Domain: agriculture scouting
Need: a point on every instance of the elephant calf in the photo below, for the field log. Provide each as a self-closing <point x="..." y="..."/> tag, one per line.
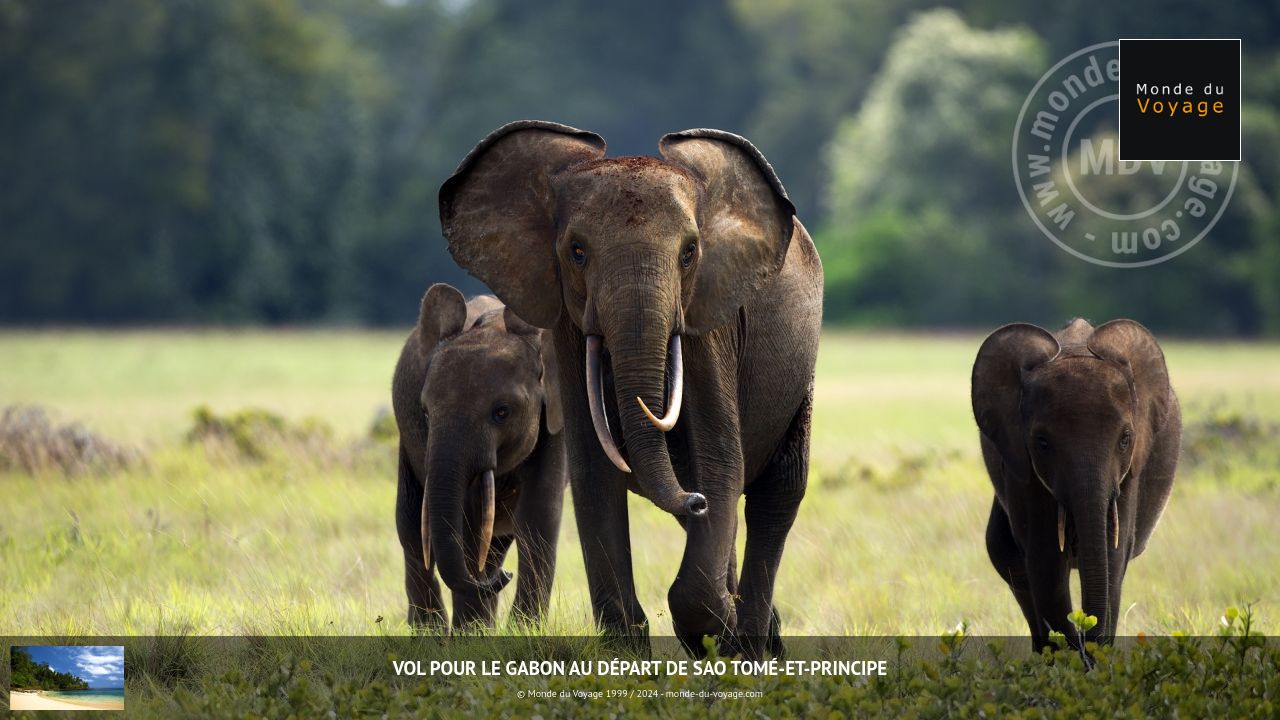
<point x="1080" y="433"/>
<point x="482" y="460"/>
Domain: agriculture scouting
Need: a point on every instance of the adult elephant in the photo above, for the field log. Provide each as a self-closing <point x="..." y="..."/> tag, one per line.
<point x="685" y="301"/>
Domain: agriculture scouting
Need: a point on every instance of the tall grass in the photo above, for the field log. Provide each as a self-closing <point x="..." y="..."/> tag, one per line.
<point x="302" y="541"/>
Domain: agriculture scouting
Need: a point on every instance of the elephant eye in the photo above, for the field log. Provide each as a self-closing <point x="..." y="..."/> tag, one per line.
<point x="1125" y="440"/>
<point x="689" y="253"/>
<point x="578" y="252"/>
<point x="1042" y="442"/>
<point x="501" y="412"/>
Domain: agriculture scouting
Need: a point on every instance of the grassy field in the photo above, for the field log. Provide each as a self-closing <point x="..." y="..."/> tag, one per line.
<point x="889" y="540"/>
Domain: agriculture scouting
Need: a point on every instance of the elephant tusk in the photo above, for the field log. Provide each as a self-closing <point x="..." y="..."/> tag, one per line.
<point x="486" y="520"/>
<point x="1115" y="524"/>
<point x="595" y="398"/>
<point x="675" y="363"/>
<point x="1062" y="529"/>
<point x="426" y="533"/>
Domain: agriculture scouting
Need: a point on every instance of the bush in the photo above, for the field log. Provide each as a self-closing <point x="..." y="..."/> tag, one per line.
<point x="383" y="429"/>
<point x="1234" y="448"/>
<point x="253" y="433"/>
<point x="1228" y="433"/>
<point x="256" y="435"/>
<point x="30" y="442"/>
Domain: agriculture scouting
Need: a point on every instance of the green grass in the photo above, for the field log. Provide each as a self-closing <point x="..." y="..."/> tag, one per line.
<point x="889" y="539"/>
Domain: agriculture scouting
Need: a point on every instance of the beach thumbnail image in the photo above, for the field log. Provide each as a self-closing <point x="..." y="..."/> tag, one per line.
<point x="66" y="677"/>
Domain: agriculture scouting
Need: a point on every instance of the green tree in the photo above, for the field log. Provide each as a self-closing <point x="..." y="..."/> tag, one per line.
<point x="27" y="674"/>
<point x="817" y="60"/>
<point x="924" y="224"/>
<point x="176" y="160"/>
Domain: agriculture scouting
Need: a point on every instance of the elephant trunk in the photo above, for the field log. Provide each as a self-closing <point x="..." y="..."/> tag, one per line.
<point x="446" y="488"/>
<point x="642" y="376"/>
<point x="1094" y="534"/>
<point x="674" y="388"/>
<point x="595" y="397"/>
<point x="638" y="318"/>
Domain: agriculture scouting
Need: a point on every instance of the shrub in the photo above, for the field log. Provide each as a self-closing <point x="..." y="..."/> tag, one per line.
<point x="383" y="429"/>
<point x="253" y="432"/>
<point x="1234" y="448"/>
<point x="1224" y="433"/>
<point x="257" y="435"/>
<point x="30" y="442"/>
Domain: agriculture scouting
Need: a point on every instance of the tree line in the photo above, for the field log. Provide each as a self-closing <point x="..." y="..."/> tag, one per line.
<point x="277" y="161"/>
<point x="27" y="674"/>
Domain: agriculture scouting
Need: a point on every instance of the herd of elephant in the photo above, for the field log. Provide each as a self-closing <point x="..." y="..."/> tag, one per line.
<point x="655" y="330"/>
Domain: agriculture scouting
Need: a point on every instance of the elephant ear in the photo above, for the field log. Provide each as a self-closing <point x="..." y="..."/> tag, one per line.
<point x="497" y="211"/>
<point x="541" y="341"/>
<point x="551" y="385"/>
<point x="442" y="315"/>
<point x="480" y="306"/>
<point x="745" y="219"/>
<point x="1003" y="360"/>
<point x="1133" y="347"/>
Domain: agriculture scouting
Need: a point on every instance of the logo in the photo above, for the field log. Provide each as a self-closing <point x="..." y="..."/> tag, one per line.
<point x="1180" y="100"/>
<point x="1082" y="196"/>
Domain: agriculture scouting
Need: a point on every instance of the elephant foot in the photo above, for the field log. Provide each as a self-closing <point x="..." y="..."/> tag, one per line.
<point x="628" y="644"/>
<point x="698" y="612"/>
<point x="695" y="644"/>
<point x="427" y="620"/>
<point x="775" y="646"/>
<point x="756" y="647"/>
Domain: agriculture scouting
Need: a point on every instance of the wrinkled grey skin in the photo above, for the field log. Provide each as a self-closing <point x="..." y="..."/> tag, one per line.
<point x="701" y="244"/>
<point x="462" y="361"/>
<point x="1084" y="420"/>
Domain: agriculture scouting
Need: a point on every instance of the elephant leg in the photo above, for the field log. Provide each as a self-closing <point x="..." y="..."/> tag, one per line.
<point x="599" y="493"/>
<point x="600" y="510"/>
<point x="773" y="501"/>
<point x="537" y="521"/>
<point x="1118" y="568"/>
<point x="700" y="597"/>
<point x="426" y="603"/>
<point x="1010" y="563"/>
<point x="729" y="643"/>
<point x="470" y="609"/>
<point x="497" y="556"/>
<point x="731" y="573"/>
<point x="1049" y="575"/>
<point x="1117" y="565"/>
<point x="1051" y="593"/>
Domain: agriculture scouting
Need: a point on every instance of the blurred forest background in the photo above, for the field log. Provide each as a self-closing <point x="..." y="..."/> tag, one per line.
<point x="277" y="161"/>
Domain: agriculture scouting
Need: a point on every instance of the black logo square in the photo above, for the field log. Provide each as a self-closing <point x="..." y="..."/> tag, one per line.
<point x="1179" y="100"/>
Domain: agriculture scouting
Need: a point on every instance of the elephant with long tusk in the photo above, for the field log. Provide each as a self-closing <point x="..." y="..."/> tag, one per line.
<point x="482" y="459"/>
<point x="1082" y="425"/>
<point x="685" y="301"/>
